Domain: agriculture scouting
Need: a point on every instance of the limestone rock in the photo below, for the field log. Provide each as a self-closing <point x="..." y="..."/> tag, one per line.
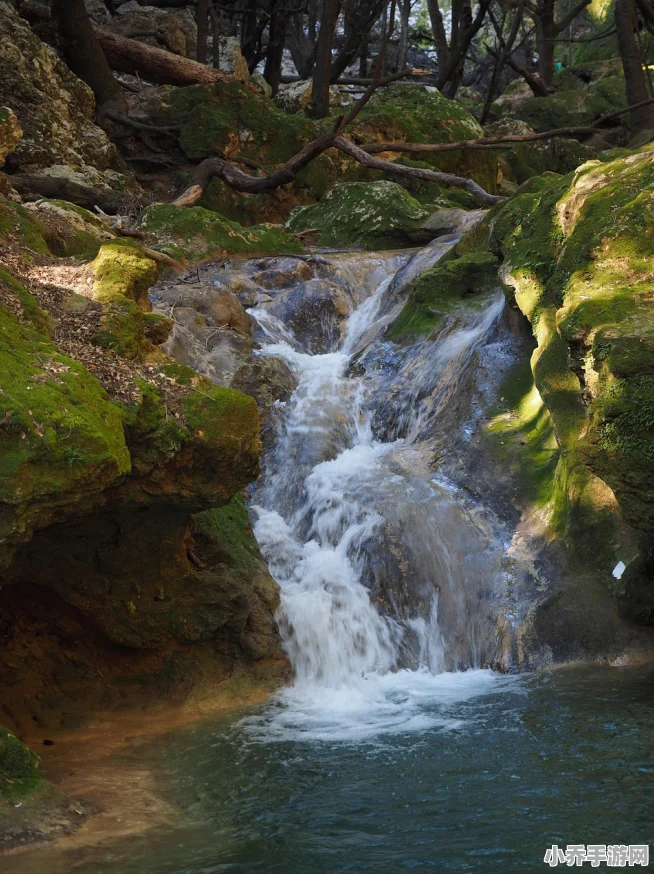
<point x="234" y="64"/>
<point x="54" y="108"/>
<point x="196" y="234"/>
<point x="296" y="96"/>
<point x="10" y="132"/>
<point x="259" y="82"/>
<point x="423" y="115"/>
<point x="219" y="306"/>
<point x="170" y="29"/>
<point x="598" y="89"/>
<point x="97" y="10"/>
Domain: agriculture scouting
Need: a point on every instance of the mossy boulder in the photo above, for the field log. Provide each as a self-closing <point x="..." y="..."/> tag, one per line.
<point x="19" y="228"/>
<point x="423" y="115"/>
<point x="61" y="433"/>
<point x="71" y="231"/>
<point x="232" y="121"/>
<point x="578" y="253"/>
<point x="123" y="277"/>
<point x="196" y="234"/>
<point x="20" y="771"/>
<point x="580" y="101"/>
<point x="374" y="215"/>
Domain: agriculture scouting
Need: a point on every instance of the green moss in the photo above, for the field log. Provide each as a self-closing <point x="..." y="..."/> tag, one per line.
<point x="453" y="284"/>
<point x="229" y="528"/>
<point x="422" y="115"/>
<point x="17" y="225"/>
<point x="371" y="214"/>
<point x="153" y="435"/>
<point x="220" y="415"/>
<point x="197" y="234"/>
<point x="29" y="309"/>
<point x="59" y="431"/>
<point x="122" y="270"/>
<point x="228" y="117"/>
<point x="123" y="276"/>
<point x="20" y="770"/>
<point x="578" y="255"/>
<point x="79" y="234"/>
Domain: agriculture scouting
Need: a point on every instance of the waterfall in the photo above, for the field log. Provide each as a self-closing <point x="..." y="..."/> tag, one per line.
<point x="333" y="501"/>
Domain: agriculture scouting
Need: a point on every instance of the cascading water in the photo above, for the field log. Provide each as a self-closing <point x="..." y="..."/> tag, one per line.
<point x="337" y="505"/>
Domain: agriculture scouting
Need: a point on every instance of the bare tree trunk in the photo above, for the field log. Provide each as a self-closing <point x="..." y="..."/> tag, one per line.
<point x="405" y="13"/>
<point x="635" y="82"/>
<point x="276" y="36"/>
<point x="215" y="35"/>
<point x="319" y="105"/>
<point x="440" y="37"/>
<point x="359" y="17"/>
<point x="363" y="59"/>
<point x="202" y="19"/>
<point x="301" y="46"/>
<point x="84" y="53"/>
<point x="545" y="40"/>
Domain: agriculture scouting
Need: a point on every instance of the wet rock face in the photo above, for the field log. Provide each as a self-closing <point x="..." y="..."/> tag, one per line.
<point x="315" y="312"/>
<point x="55" y="110"/>
<point x="106" y="543"/>
<point x="211" y="334"/>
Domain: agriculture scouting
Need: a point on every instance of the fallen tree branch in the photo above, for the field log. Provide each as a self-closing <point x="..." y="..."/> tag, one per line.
<point x="500" y="142"/>
<point x="235" y="178"/>
<point x="447" y="179"/>
<point x="156" y="65"/>
<point x="109" y="201"/>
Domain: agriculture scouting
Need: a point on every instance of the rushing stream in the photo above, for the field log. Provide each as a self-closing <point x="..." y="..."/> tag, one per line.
<point x="396" y="748"/>
<point x="329" y="492"/>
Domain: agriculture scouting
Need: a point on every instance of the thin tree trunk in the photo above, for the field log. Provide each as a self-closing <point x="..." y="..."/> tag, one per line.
<point x="202" y="19"/>
<point x="545" y="40"/>
<point x="405" y="13"/>
<point x="635" y="82"/>
<point x="215" y="35"/>
<point x="276" y="35"/>
<point x="363" y="59"/>
<point x="84" y="53"/>
<point x="319" y="105"/>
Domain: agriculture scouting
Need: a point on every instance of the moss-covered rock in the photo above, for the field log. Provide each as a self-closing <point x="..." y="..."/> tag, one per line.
<point x="578" y="254"/>
<point x="197" y="234"/>
<point x="423" y="115"/>
<point x="71" y="231"/>
<point x="375" y="215"/>
<point x="19" y="228"/>
<point x="20" y="771"/>
<point x="580" y="101"/>
<point x="61" y="433"/>
<point x="123" y="277"/>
